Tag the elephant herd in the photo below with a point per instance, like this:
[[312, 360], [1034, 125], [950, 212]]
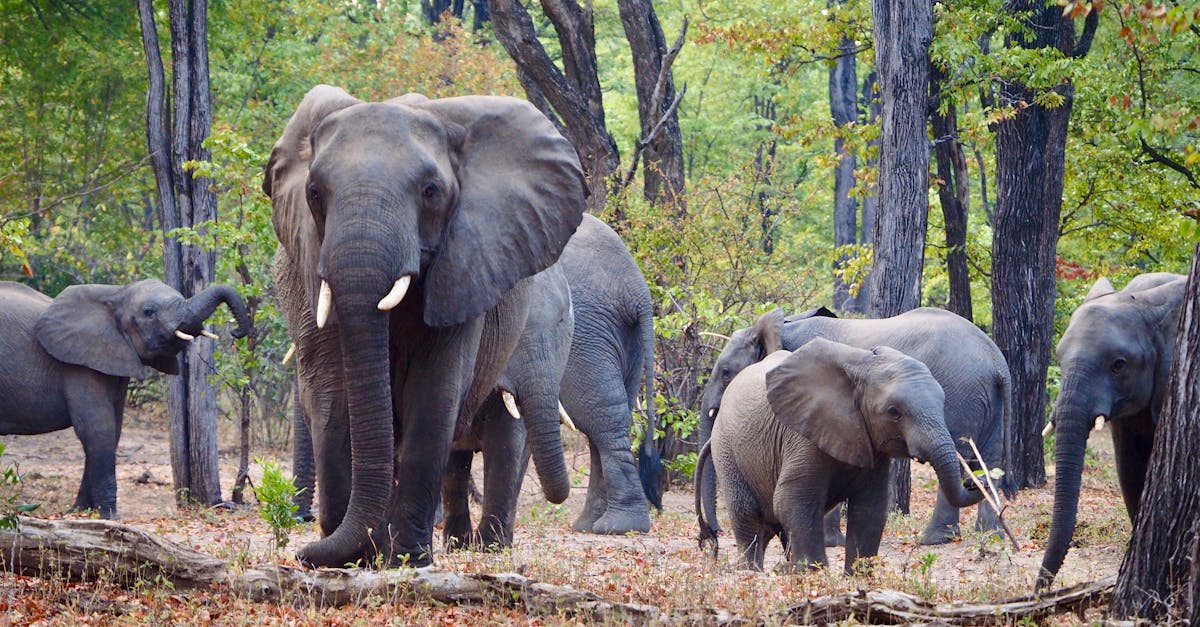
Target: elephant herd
[[447, 295]]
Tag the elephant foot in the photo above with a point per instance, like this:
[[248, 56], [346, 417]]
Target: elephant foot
[[834, 537], [614, 523], [492, 542], [587, 519], [939, 534], [457, 534]]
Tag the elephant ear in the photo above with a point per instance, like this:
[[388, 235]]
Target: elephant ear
[[769, 331], [1163, 304], [521, 196], [80, 327], [286, 173], [814, 392], [1102, 287]]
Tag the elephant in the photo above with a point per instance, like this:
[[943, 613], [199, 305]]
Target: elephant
[[963, 359], [802, 431], [408, 229], [67, 361], [1115, 356]]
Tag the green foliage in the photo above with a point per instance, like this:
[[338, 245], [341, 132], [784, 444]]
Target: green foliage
[[10, 498], [276, 496]]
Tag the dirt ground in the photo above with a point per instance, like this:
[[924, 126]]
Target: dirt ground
[[663, 567]]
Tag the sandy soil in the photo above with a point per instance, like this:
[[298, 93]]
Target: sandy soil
[[663, 567]]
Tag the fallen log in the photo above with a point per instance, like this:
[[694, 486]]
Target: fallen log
[[101, 550]]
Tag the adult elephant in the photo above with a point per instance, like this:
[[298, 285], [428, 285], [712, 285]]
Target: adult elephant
[[804, 431], [67, 361], [1115, 357], [964, 361], [410, 227], [611, 362]]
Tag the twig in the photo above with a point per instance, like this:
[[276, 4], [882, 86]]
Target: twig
[[992, 502]]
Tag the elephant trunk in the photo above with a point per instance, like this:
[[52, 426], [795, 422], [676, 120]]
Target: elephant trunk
[[202, 305], [545, 444], [950, 477], [1073, 421], [364, 337], [705, 469]]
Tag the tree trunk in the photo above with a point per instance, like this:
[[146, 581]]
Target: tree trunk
[[662, 176], [866, 235], [903, 30], [954, 193], [185, 202], [1030, 156], [571, 96], [1157, 578], [843, 104]]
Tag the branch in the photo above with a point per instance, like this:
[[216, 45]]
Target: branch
[[1159, 157], [664, 74], [648, 139], [1089, 33]]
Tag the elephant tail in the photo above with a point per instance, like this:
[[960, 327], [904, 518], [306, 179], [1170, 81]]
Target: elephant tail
[[708, 535], [649, 460], [1003, 423]]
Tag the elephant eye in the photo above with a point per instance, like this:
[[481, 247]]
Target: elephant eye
[[430, 190], [1118, 365], [149, 312], [893, 412]]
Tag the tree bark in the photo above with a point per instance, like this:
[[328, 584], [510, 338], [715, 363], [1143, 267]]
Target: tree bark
[[93, 550], [1030, 157], [903, 31], [843, 104], [662, 175], [571, 96], [954, 193], [185, 202], [1158, 574], [866, 236]]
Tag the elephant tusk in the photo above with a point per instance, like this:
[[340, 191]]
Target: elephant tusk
[[1049, 428], [1099, 422], [324, 304], [564, 418], [394, 297], [184, 336], [209, 334], [711, 413], [711, 334], [510, 403], [288, 355]]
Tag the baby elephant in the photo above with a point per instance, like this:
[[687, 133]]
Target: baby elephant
[[67, 361], [800, 432]]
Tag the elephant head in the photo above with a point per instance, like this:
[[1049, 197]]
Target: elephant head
[[1115, 356], [455, 200], [124, 330], [858, 404]]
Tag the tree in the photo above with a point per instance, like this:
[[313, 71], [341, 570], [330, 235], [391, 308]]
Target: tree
[[1030, 153], [903, 30], [189, 203], [1160, 574], [843, 104], [954, 191]]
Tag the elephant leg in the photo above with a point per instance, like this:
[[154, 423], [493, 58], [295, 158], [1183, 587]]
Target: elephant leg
[[800, 506], [303, 465], [986, 520], [866, 515], [597, 500], [943, 523], [1133, 440], [503, 465], [331, 451], [94, 404], [456, 505], [625, 503], [833, 528]]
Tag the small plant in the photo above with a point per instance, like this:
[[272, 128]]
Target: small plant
[[926, 586], [276, 495], [10, 499]]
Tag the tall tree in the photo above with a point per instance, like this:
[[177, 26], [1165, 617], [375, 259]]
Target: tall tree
[[954, 191], [903, 31], [1160, 574], [1030, 153], [185, 202], [843, 105]]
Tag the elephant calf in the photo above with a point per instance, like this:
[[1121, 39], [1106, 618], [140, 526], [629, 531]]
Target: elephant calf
[[67, 362], [800, 432]]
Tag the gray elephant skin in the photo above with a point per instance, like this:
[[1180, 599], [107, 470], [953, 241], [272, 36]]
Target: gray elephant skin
[[408, 229], [803, 431], [1115, 356], [66, 362], [963, 359]]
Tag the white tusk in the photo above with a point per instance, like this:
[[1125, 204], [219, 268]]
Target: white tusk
[[210, 335], [324, 304], [394, 297], [1048, 429], [712, 412], [184, 336], [1099, 422], [288, 355], [510, 403], [564, 418], [711, 334]]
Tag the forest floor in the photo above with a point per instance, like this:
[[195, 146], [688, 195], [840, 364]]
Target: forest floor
[[663, 568]]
